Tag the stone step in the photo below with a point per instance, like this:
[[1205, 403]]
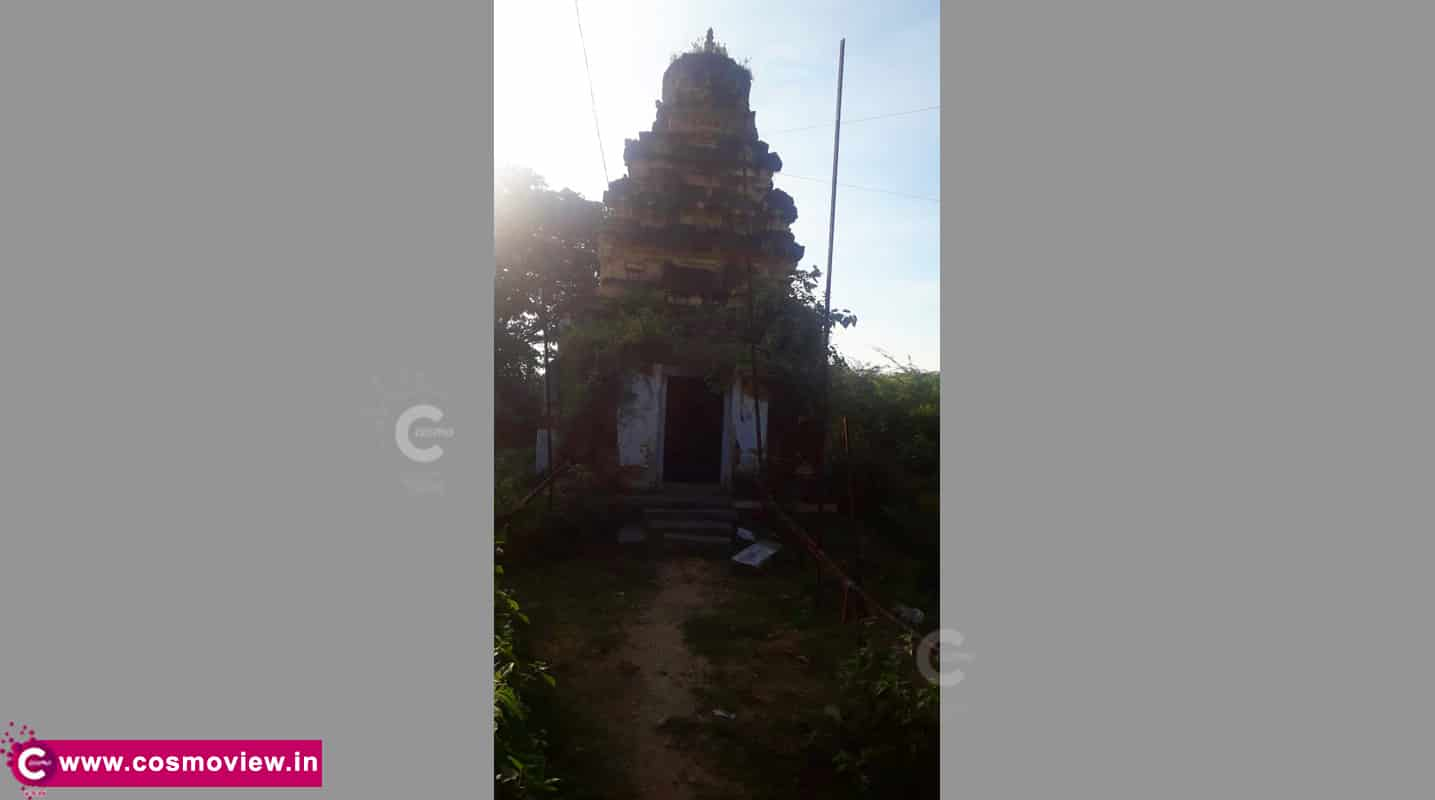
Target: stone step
[[725, 514], [675, 501], [801, 508], [694, 538], [678, 496], [699, 526]]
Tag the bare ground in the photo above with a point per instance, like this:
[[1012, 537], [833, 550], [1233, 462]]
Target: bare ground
[[667, 672], [646, 679], [644, 650]]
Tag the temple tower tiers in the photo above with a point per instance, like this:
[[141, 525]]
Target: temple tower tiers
[[698, 205], [696, 211]]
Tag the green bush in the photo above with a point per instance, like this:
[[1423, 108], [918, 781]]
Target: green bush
[[885, 731], [895, 426], [520, 747]]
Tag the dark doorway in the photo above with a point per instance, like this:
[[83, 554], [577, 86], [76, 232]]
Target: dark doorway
[[692, 432]]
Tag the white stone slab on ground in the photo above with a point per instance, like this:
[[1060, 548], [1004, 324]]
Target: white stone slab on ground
[[755, 555]]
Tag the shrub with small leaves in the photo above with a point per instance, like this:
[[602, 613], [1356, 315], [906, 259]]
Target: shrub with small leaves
[[885, 731], [519, 747]]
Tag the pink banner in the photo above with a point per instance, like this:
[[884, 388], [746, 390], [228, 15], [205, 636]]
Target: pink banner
[[163, 763]]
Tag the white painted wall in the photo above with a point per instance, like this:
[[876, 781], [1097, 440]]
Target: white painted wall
[[740, 450], [640, 417], [641, 414]]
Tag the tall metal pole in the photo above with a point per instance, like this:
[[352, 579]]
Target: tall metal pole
[[827, 308], [756, 397], [827, 296], [852, 515], [547, 401]]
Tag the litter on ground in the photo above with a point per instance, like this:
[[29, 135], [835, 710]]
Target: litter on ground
[[756, 554]]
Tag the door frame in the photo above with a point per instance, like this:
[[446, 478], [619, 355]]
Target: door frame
[[725, 463]]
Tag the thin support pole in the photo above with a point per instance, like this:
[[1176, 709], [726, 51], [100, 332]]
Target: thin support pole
[[827, 300], [547, 395], [827, 294], [852, 515], [847, 453], [756, 397]]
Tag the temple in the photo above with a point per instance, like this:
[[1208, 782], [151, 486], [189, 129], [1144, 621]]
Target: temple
[[693, 220]]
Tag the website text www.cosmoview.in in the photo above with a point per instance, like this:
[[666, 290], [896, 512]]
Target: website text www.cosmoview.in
[[168, 763]]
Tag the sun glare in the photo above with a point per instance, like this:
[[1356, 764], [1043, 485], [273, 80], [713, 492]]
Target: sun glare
[[512, 75], [536, 82]]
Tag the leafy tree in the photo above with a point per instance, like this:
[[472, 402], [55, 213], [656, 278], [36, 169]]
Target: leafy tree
[[545, 243]]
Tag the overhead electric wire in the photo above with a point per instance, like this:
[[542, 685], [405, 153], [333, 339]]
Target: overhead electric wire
[[860, 188], [597, 129], [593, 98], [859, 119], [603, 158]]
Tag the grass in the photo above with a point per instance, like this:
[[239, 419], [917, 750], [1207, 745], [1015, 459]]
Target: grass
[[893, 569], [775, 644], [576, 609], [765, 757], [590, 596]]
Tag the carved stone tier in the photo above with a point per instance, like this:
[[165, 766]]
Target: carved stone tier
[[697, 208]]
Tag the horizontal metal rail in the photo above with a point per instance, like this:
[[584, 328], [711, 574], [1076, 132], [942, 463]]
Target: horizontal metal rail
[[825, 560], [504, 518]]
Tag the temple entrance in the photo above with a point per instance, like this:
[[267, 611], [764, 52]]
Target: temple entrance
[[692, 432]]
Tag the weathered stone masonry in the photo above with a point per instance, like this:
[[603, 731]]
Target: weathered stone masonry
[[696, 211]]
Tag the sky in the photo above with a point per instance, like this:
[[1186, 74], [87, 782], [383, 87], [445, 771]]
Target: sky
[[886, 252]]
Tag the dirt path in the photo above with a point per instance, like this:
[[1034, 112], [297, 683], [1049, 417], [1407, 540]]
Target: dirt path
[[666, 672], [645, 646]]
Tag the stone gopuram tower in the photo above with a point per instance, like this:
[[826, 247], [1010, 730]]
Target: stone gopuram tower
[[696, 212]]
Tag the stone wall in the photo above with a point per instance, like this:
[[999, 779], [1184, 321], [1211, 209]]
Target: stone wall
[[698, 195], [642, 422], [696, 214]]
